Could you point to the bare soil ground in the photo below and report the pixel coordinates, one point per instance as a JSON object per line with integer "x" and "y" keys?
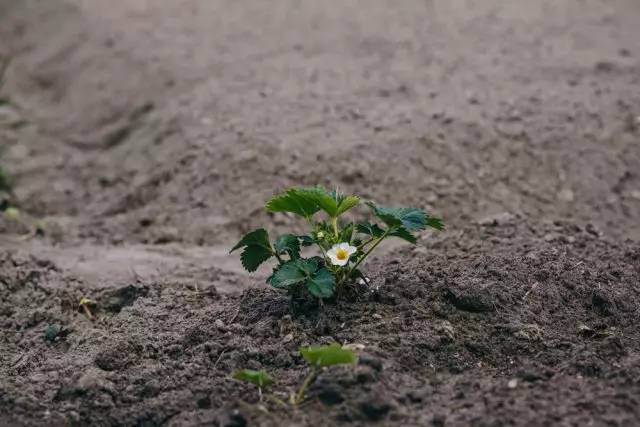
{"x": 147, "y": 135}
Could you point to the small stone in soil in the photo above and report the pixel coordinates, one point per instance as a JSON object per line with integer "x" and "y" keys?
{"x": 203, "y": 401}
{"x": 51, "y": 333}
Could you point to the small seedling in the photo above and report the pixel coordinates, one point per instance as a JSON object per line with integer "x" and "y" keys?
{"x": 261, "y": 379}
{"x": 343, "y": 246}
{"x": 318, "y": 357}
{"x": 12, "y": 214}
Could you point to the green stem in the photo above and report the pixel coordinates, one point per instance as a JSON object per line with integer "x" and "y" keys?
{"x": 316, "y": 230}
{"x": 306, "y": 385}
{"x": 335, "y": 226}
{"x": 276, "y": 400}
{"x": 312, "y": 224}
{"x": 362, "y": 258}
{"x": 362, "y": 245}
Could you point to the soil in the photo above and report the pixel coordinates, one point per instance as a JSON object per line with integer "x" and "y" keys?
{"x": 146, "y": 137}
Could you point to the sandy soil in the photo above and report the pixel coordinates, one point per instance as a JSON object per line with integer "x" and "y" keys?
{"x": 148, "y": 134}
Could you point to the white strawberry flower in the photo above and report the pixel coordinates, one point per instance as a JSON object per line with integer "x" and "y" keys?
{"x": 339, "y": 254}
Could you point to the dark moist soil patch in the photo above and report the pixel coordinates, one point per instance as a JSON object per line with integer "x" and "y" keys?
{"x": 543, "y": 334}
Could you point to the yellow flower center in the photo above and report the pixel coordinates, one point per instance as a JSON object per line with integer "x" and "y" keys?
{"x": 341, "y": 254}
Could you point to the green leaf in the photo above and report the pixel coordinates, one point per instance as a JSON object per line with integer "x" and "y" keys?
{"x": 306, "y": 240}
{"x": 287, "y": 275}
{"x": 259, "y": 378}
{"x": 321, "y": 198}
{"x": 320, "y": 282}
{"x": 347, "y": 233}
{"x": 292, "y": 201}
{"x": 308, "y": 267}
{"x": 412, "y": 219}
{"x": 322, "y": 356}
{"x": 289, "y": 244}
{"x": 347, "y": 203}
{"x": 370, "y": 229}
{"x": 257, "y": 249}
{"x": 402, "y": 233}
{"x": 324, "y": 227}
{"x": 258, "y": 237}
{"x": 321, "y": 285}
{"x": 337, "y": 197}
{"x": 253, "y": 256}
{"x": 436, "y": 223}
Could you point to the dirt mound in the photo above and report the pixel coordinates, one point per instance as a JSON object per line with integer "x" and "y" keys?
{"x": 544, "y": 335}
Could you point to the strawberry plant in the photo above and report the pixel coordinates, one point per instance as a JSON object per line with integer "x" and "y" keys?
{"x": 343, "y": 245}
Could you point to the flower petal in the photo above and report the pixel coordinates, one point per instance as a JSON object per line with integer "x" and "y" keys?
{"x": 345, "y": 246}
{"x": 335, "y": 261}
{"x": 341, "y": 262}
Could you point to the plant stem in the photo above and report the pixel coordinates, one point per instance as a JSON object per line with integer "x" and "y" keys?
{"x": 312, "y": 224}
{"x": 366, "y": 254}
{"x": 362, "y": 245}
{"x": 306, "y": 385}
{"x": 335, "y": 226}
{"x": 316, "y": 230}
{"x": 353, "y": 230}
{"x": 276, "y": 400}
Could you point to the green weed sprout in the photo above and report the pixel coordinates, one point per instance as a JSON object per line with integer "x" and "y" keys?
{"x": 318, "y": 357}
{"x": 261, "y": 379}
{"x": 343, "y": 247}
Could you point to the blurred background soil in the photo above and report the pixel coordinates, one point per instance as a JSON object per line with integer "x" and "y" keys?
{"x": 147, "y": 135}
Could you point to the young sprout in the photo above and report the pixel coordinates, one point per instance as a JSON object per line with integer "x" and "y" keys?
{"x": 343, "y": 246}
{"x": 260, "y": 379}
{"x": 319, "y": 357}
